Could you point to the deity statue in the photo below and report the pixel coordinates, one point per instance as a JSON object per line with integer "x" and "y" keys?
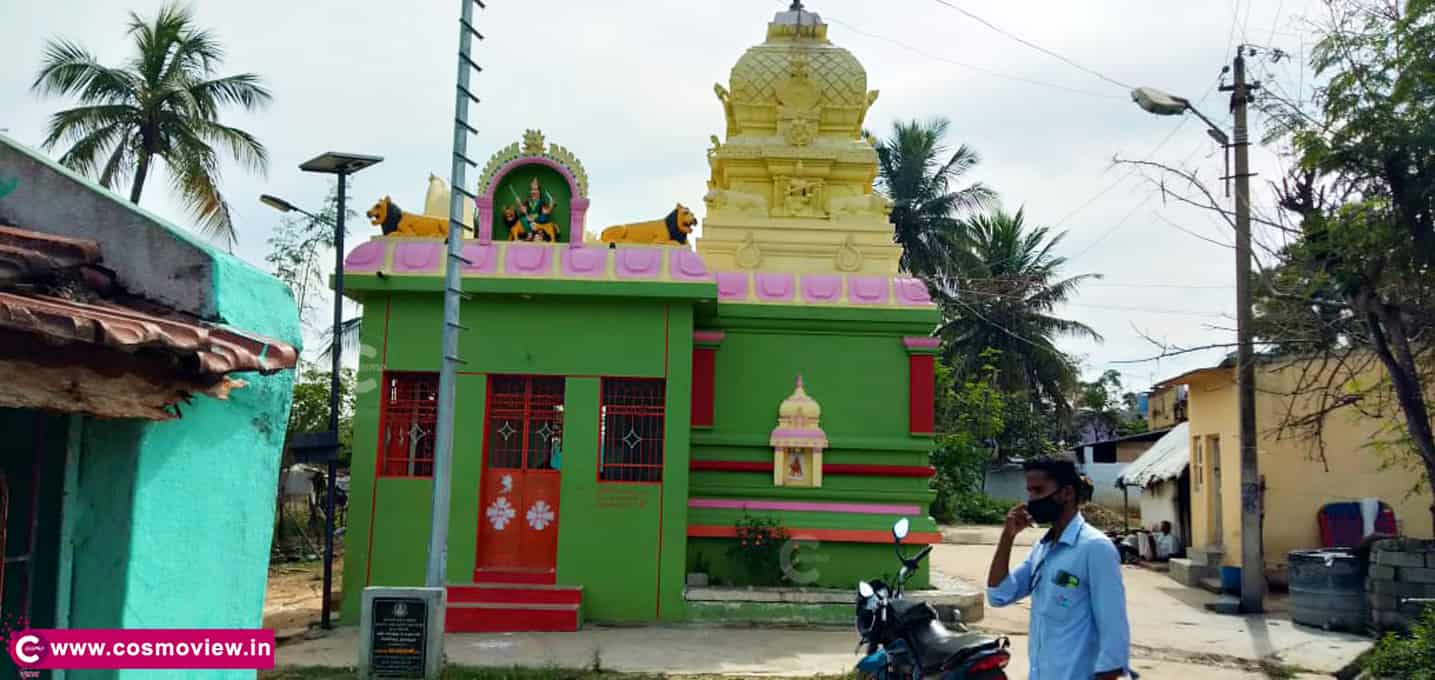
{"x": 534, "y": 216}
{"x": 801, "y": 197}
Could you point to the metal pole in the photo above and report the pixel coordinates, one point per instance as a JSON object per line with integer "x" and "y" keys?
{"x": 1253, "y": 580}
{"x": 335, "y": 350}
{"x": 435, "y": 576}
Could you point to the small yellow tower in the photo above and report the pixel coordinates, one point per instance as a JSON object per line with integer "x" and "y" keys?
{"x": 791, "y": 187}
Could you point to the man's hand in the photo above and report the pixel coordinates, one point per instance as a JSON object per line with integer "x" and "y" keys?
{"x": 1017, "y": 520}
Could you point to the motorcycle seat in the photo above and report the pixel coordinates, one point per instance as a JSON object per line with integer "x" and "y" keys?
{"x": 942, "y": 649}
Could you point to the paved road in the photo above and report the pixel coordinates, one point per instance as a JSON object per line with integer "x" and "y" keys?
{"x": 1172, "y": 633}
{"x": 1169, "y": 621}
{"x": 690, "y": 651}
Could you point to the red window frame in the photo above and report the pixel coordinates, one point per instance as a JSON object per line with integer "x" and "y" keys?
{"x": 631, "y": 425}
{"x": 536, "y": 403}
{"x": 408, "y": 424}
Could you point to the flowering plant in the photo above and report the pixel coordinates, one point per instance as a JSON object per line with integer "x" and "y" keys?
{"x": 758, "y": 549}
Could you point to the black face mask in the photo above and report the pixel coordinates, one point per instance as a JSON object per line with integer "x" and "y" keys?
{"x": 1044, "y": 510}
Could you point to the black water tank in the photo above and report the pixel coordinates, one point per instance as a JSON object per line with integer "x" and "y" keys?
{"x": 1327, "y": 590}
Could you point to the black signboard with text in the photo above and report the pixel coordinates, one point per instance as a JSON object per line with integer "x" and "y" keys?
{"x": 399, "y": 637}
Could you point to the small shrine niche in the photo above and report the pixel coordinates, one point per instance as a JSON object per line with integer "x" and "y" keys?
{"x": 533, "y": 191}
{"x": 798, "y": 441}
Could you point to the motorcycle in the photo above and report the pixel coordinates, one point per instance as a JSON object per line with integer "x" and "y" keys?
{"x": 906, "y": 641}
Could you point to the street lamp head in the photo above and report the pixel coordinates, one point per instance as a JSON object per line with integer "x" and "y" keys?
{"x": 277, "y": 203}
{"x": 334, "y": 163}
{"x": 1160, "y": 103}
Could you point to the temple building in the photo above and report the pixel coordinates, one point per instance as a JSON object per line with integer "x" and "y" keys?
{"x": 633, "y": 394}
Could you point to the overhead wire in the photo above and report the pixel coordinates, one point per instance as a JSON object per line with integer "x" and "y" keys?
{"x": 974, "y": 67}
{"x": 1033, "y": 45}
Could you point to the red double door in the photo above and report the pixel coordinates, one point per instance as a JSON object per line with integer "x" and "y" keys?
{"x": 518, "y": 515}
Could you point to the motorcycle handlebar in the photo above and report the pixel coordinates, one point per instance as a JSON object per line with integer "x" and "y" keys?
{"x": 922, "y": 554}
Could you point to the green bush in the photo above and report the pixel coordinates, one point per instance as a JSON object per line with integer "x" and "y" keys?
{"x": 1411, "y": 656}
{"x": 980, "y": 509}
{"x": 758, "y": 550}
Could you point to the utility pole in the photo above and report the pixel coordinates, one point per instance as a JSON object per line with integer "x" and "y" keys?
{"x": 435, "y": 575}
{"x": 1253, "y": 579}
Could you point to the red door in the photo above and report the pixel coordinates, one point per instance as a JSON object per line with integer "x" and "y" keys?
{"x": 518, "y": 517}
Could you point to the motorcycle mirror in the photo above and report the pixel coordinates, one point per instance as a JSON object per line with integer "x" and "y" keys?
{"x": 899, "y": 530}
{"x": 864, "y": 589}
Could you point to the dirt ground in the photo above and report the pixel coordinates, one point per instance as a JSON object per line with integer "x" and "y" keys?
{"x": 294, "y": 596}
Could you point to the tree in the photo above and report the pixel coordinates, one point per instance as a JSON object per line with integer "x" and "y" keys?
{"x": 1104, "y": 411}
{"x": 1005, "y": 284}
{"x": 1350, "y": 293}
{"x": 919, "y": 177}
{"x": 1358, "y": 276}
{"x": 163, "y": 104}
{"x": 297, "y": 252}
{"x": 310, "y": 409}
{"x": 979, "y": 424}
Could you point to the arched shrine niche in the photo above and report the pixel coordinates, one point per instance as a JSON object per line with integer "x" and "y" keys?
{"x": 533, "y": 191}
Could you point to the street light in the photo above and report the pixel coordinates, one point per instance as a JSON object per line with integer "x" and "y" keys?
{"x": 342, "y": 165}
{"x": 286, "y": 207}
{"x": 1253, "y": 582}
{"x": 1161, "y": 103}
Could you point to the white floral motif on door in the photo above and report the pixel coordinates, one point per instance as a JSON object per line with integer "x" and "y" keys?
{"x": 500, "y": 513}
{"x": 507, "y": 483}
{"x": 540, "y": 515}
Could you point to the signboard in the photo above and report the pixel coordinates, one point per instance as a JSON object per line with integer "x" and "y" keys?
{"x": 398, "y": 637}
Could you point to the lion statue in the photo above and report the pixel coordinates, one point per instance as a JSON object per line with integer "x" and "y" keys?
{"x": 672, "y": 230}
{"x": 393, "y": 221}
{"x": 864, "y": 204}
{"x": 736, "y": 201}
{"x": 544, "y": 232}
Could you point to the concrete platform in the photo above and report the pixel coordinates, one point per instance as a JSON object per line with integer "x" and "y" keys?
{"x": 954, "y": 600}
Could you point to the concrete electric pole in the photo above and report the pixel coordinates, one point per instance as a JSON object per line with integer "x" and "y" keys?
{"x": 1253, "y": 578}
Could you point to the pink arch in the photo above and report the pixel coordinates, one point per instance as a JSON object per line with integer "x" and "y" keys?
{"x": 577, "y": 208}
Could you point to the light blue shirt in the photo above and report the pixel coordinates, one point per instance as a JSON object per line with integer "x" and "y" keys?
{"x": 1078, "y": 606}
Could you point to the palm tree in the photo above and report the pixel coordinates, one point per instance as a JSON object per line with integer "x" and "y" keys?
{"x": 1006, "y": 283}
{"x": 915, "y": 171}
{"x": 163, "y": 104}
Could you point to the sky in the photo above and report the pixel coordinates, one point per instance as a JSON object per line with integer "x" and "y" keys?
{"x": 627, "y": 85}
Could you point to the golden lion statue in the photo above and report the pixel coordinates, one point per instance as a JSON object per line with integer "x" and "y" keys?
{"x": 393, "y": 221}
{"x": 672, "y": 230}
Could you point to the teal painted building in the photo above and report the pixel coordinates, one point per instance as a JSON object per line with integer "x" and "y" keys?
{"x": 144, "y": 396}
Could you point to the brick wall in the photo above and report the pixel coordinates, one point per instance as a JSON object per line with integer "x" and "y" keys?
{"x": 1402, "y": 574}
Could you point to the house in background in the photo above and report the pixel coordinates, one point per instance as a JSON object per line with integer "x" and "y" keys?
{"x": 1166, "y": 406}
{"x": 144, "y": 392}
{"x": 1103, "y": 462}
{"x": 1297, "y": 481}
{"x": 1161, "y": 482}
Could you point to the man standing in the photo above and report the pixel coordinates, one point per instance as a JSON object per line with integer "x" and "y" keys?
{"x": 1078, "y": 613}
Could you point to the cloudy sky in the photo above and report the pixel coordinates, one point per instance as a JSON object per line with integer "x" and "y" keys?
{"x": 627, "y": 85}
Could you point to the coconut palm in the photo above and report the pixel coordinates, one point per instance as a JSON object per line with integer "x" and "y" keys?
{"x": 161, "y": 105}
{"x": 1006, "y": 285}
{"x": 922, "y": 181}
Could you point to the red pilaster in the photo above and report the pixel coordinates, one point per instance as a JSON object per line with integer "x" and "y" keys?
{"x": 705, "y": 344}
{"x": 921, "y": 384}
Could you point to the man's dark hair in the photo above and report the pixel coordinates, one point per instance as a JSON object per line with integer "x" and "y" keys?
{"x": 1063, "y": 472}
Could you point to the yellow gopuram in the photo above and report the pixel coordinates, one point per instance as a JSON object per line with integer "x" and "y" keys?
{"x": 791, "y": 186}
